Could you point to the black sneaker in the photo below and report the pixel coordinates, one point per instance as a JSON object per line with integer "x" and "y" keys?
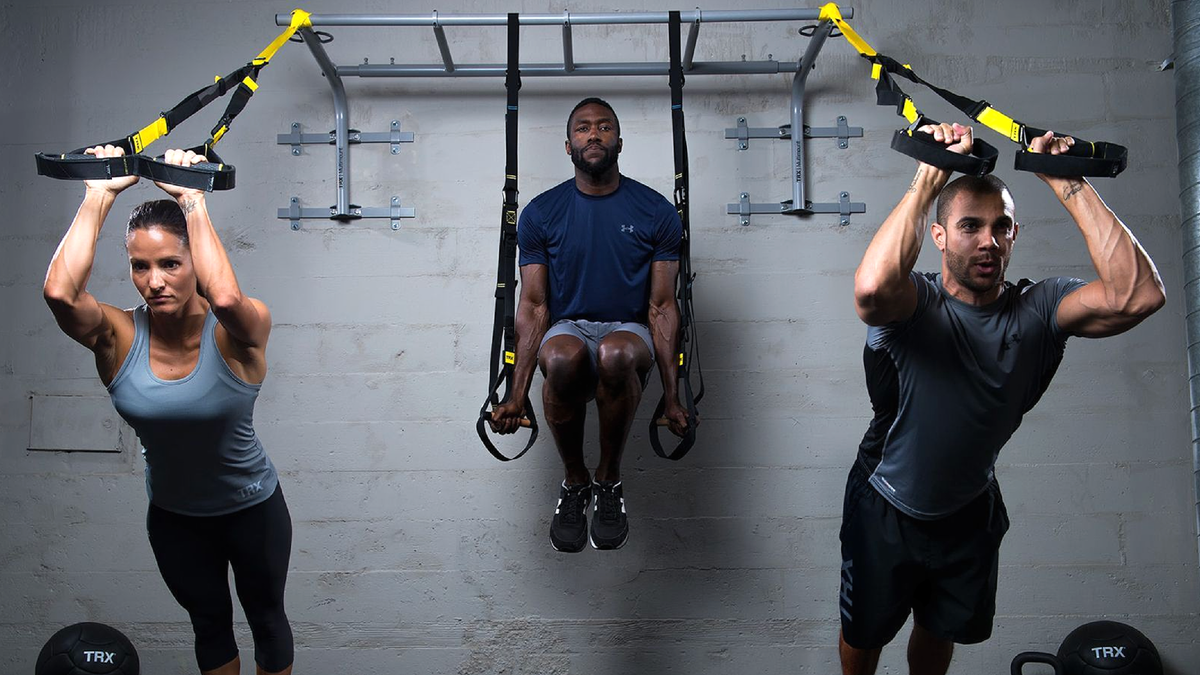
{"x": 568, "y": 528}
{"x": 610, "y": 527}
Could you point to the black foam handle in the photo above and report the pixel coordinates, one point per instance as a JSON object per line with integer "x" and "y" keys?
{"x": 207, "y": 176}
{"x": 924, "y": 148}
{"x": 78, "y": 166}
{"x": 1095, "y": 160}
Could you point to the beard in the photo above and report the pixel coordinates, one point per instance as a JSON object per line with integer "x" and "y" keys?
{"x": 595, "y": 167}
{"x": 962, "y": 268}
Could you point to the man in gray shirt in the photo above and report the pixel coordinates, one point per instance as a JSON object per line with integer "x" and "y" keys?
{"x": 953, "y": 361}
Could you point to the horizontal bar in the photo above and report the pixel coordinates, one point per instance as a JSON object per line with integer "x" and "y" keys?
{"x": 558, "y": 70}
{"x": 786, "y": 207}
{"x": 705, "y": 16}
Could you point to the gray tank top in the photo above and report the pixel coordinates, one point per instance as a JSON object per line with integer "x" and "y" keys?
{"x": 203, "y": 457}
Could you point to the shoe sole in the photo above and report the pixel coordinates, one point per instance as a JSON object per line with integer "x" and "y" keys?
{"x": 554, "y": 545}
{"x": 608, "y": 547}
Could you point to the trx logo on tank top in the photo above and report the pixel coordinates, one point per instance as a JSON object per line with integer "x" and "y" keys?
{"x": 251, "y": 489}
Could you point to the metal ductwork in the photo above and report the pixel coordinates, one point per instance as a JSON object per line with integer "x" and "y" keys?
{"x": 1185, "y": 15}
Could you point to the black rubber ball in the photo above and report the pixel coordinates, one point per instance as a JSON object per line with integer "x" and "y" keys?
{"x": 88, "y": 649}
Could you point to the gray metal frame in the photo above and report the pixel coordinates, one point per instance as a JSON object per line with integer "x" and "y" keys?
{"x": 342, "y": 135}
{"x": 799, "y": 205}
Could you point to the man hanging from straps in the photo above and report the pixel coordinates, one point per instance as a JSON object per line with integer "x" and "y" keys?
{"x": 954, "y": 360}
{"x": 599, "y": 260}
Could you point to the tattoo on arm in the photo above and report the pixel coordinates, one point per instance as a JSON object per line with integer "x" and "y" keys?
{"x": 188, "y": 206}
{"x": 912, "y": 187}
{"x": 1072, "y": 188}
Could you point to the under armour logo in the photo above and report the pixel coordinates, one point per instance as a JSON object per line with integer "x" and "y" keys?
{"x": 627, "y": 229}
{"x": 1109, "y": 652}
{"x": 99, "y": 657}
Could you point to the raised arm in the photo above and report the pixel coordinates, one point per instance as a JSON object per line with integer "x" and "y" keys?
{"x": 883, "y": 292}
{"x": 1129, "y": 288}
{"x": 245, "y": 319}
{"x": 664, "y": 333}
{"x": 83, "y": 318}
{"x": 532, "y": 322}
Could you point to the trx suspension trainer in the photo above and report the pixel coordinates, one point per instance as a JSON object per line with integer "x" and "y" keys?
{"x": 688, "y": 347}
{"x": 504, "y": 340}
{"x": 1085, "y": 158}
{"x": 208, "y": 176}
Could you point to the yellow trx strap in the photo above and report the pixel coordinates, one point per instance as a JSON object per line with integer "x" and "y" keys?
{"x": 989, "y": 116}
{"x": 300, "y": 18}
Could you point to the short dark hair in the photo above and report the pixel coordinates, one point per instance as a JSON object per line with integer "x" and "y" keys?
{"x": 972, "y": 185}
{"x": 589, "y": 101}
{"x": 164, "y": 213}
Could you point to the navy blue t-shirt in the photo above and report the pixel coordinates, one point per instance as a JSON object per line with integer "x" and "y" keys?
{"x": 598, "y": 250}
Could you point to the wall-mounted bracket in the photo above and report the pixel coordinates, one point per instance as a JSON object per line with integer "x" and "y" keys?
{"x": 394, "y": 137}
{"x": 844, "y": 207}
{"x": 842, "y": 132}
{"x": 295, "y": 213}
{"x": 798, "y": 204}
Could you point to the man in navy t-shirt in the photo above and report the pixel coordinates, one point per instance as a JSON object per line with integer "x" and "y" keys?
{"x": 599, "y": 259}
{"x": 954, "y": 360}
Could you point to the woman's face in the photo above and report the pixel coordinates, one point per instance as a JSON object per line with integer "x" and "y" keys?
{"x": 160, "y": 265}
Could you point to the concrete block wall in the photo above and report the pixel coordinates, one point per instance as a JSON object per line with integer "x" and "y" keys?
{"x": 414, "y": 551}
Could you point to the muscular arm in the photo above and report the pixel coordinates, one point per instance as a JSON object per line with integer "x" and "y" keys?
{"x": 1129, "y": 288}
{"x": 76, "y": 310}
{"x": 883, "y": 292}
{"x": 664, "y": 324}
{"x": 244, "y": 318}
{"x": 664, "y": 333}
{"x": 95, "y": 325}
{"x": 532, "y": 322}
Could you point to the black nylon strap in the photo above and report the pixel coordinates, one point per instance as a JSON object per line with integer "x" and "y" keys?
{"x": 208, "y": 176}
{"x": 688, "y": 349}
{"x": 1085, "y": 158}
{"x": 504, "y": 333}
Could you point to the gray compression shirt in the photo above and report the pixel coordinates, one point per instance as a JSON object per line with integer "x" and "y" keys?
{"x": 950, "y": 385}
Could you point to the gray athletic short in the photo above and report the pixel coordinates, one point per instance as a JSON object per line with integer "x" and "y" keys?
{"x": 592, "y": 332}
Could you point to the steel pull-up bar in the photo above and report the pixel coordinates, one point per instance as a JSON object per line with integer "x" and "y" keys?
{"x": 344, "y": 210}
{"x": 613, "y": 18}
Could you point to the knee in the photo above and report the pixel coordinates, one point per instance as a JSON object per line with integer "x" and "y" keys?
{"x": 617, "y": 361}
{"x": 215, "y": 643}
{"x": 563, "y": 363}
{"x": 273, "y": 646}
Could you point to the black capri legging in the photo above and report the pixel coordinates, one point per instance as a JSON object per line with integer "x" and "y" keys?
{"x": 194, "y": 554}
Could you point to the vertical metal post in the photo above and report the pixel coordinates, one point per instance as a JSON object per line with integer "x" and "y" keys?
{"x": 443, "y": 46}
{"x": 568, "y": 51}
{"x": 689, "y": 52}
{"x": 798, "y": 84}
{"x": 341, "y": 115}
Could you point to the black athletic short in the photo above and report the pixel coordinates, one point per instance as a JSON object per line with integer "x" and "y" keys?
{"x": 943, "y": 570}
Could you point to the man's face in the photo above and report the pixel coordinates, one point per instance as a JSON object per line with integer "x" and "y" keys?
{"x": 594, "y": 141}
{"x": 977, "y": 240}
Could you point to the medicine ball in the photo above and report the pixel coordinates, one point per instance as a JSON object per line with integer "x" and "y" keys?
{"x": 88, "y": 649}
{"x": 1108, "y": 648}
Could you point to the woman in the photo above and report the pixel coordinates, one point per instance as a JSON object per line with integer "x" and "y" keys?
{"x": 184, "y": 370}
